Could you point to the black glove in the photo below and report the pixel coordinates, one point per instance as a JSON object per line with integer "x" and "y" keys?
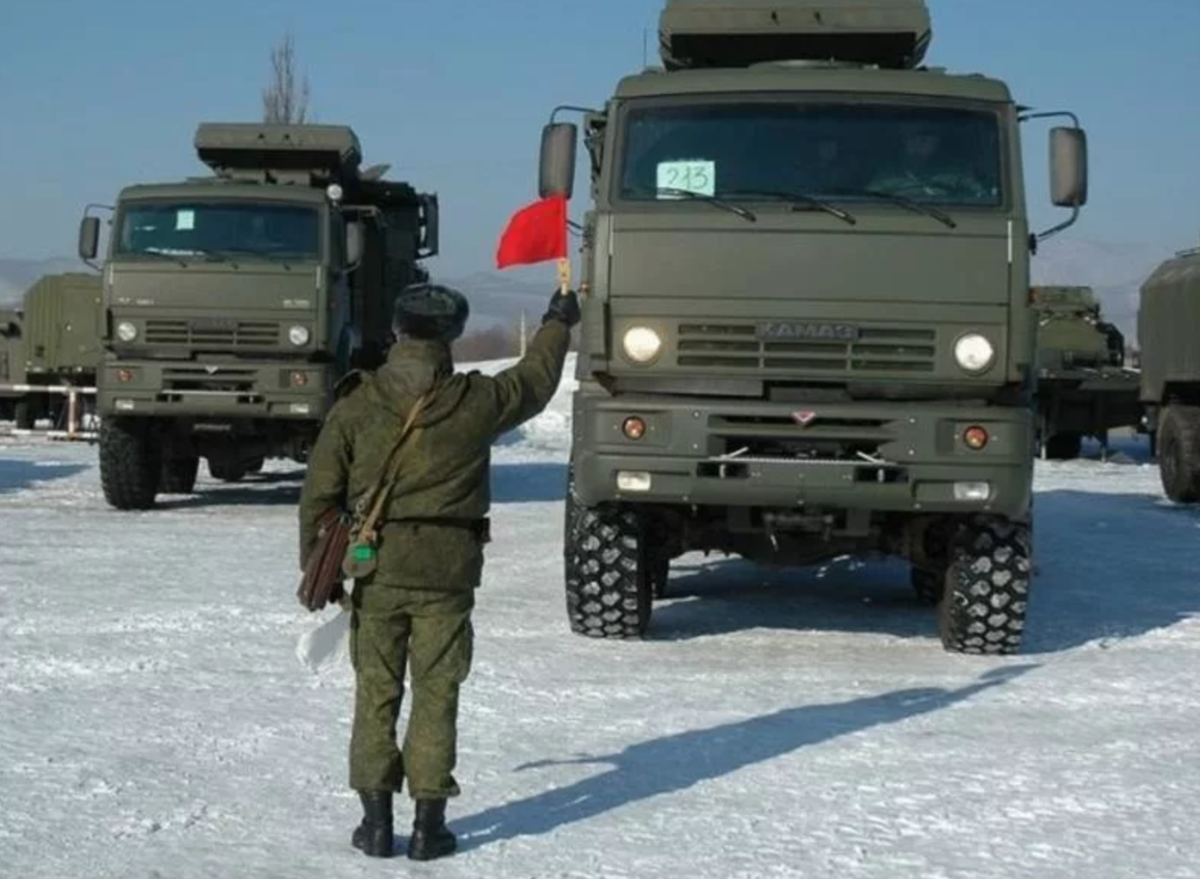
{"x": 564, "y": 309}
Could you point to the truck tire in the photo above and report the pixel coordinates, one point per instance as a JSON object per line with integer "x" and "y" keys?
{"x": 227, "y": 471}
{"x": 130, "y": 463}
{"x": 1064, "y": 446}
{"x": 1179, "y": 453}
{"x": 987, "y": 587}
{"x": 928, "y": 584}
{"x": 608, "y": 574}
{"x": 23, "y": 415}
{"x": 179, "y": 474}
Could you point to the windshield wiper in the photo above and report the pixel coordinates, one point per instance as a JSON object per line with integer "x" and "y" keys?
{"x": 699, "y": 196}
{"x": 264, "y": 254}
{"x": 904, "y": 202}
{"x": 801, "y": 197}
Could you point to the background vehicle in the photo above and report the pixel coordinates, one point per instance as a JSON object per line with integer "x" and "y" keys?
{"x": 1169, "y": 337}
{"x": 807, "y": 329}
{"x": 1084, "y": 387}
{"x": 49, "y": 352}
{"x": 233, "y": 304}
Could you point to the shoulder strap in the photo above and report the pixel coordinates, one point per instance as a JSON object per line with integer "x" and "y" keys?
{"x": 389, "y": 473}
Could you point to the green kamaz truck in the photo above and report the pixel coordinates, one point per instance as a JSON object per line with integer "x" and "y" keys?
{"x": 234, "y": 303}
{"x": 1084, "y": 387}
{"x": 807, "y": 324}
{"x": 50, "y": 350}
{"x": 1169, "y": 337}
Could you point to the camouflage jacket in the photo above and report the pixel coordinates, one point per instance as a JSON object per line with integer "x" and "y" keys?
{"x": 444, "y": 466}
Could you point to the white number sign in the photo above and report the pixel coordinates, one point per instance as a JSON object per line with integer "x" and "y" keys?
{"x": 694, "y": 175}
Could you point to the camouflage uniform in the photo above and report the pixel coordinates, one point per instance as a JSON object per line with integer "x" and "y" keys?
{"x": 415, "y": 610}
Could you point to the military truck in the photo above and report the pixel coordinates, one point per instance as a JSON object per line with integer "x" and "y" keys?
{"x": 1084, "y": 387}
{"x": 1169, "y": 336}
{"x": 807, "y": 327}
{"x": 52, "y": 346}
{"x": 234, "y": 303}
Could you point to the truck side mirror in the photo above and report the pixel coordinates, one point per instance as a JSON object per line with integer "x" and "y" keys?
{"x": 429, "y": 212}
{"x": 1068, "y": 167}
{"x": 354, "y": 243}
{"x": 556, "y": 165}
{"x": 89, "y": 238}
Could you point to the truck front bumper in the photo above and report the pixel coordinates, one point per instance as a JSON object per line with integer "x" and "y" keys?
{"x": 241, "y": 390}
{"x": 903, "y": 457}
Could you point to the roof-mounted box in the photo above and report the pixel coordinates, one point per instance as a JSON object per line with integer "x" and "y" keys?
{"x": 727, "y": 33}
{"x": 331, "y": 151}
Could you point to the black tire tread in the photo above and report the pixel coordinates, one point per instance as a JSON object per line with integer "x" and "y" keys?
{"x": 987, "y": 587}
{"x": 605, "y": 597}
{"x": 1179, "y": 453}
{"x": 130, "y": 464}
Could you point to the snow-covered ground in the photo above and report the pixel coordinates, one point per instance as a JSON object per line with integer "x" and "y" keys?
{"x": 155, "y": 720}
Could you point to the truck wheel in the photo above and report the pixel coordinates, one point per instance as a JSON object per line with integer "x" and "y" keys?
{"x": 130, "y": 463}
{"x": 608, "y": 577}
{"x": 25, "y": 414}
{"x": 256, "y": 465}
{"x": 1179, "y": 453}
{"x": 987, "y": 587}
{"x": 179, "y": 475}
{"x": 1064, "y": 446}
{"x": 928, "y": 584}
{"x": 226, "y": 471}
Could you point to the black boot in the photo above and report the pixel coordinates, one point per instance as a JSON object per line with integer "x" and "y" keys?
{"x": 431, "y": 838}
{"x": 374, "y": 835}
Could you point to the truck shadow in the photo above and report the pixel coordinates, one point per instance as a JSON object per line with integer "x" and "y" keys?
{"x": 272, "y": 488}
{"x": 677, "y": 762}
{"x": 16, "y": 474}
{"x": 1111, "y": 566}
{"x": 526, "y": 483}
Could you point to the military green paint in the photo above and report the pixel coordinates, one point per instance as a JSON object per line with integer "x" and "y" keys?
{"x": 1169, "y": 330}
{"x": 906, "y": 285}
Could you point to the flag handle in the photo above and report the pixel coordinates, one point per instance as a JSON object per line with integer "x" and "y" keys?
{"x": 564, "y": 275}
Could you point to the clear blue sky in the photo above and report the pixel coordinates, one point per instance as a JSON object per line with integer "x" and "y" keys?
{"x": 453, "y": 94}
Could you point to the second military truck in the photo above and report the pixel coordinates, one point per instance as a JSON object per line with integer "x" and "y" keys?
{"x": 234, "y": 303}
{"x": 807, "y": 324}
{"x": 1084, "y": 387}
{"x": 1169, "y": 335}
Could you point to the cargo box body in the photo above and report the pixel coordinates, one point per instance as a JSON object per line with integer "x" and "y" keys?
{"x": 726, "y": 33}
{"x": 63, "y": 324}
{"x": 1169, "y": 330}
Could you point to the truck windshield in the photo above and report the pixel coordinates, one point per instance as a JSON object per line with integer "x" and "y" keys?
{"x": 753, "y": 148}
{"x": 177, "y": 228}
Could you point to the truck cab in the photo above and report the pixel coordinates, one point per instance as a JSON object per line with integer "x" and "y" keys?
{"x": 807, "y": 327}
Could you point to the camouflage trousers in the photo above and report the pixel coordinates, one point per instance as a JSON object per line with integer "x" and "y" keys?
{"x": 430, "y": 632}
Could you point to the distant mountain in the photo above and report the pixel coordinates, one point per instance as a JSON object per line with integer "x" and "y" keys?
{"x": 1114, "y": 269}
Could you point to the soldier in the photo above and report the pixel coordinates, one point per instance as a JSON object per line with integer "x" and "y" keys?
{"x": 929, "y": 167}
{"x": 416, "y": 607}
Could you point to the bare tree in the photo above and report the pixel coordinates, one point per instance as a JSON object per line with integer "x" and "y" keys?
{"x": 281, "y": 102}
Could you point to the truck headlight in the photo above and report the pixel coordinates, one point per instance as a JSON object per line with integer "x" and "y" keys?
{"x": 298, "y": 335}
{"x": 642, "y": 344}
{"x": 974, "y": 353}
{"x": 126, "y": 331}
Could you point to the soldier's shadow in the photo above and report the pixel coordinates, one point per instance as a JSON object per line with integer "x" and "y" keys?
{"x": 676, "y": 762}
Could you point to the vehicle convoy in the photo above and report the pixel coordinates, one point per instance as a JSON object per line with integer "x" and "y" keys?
{"x": 233, "y": 304}
{"x": 1169, "y": 336}
{"x": 807, "y": 329}
{"x": 48, "y": 347}
{"x": 1084, "y": 387}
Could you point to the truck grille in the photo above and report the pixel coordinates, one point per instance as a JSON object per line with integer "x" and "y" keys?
{"x": 877, "y": 349}
{"x": 216, "y": 333}
{"x": 225, "y": 379}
